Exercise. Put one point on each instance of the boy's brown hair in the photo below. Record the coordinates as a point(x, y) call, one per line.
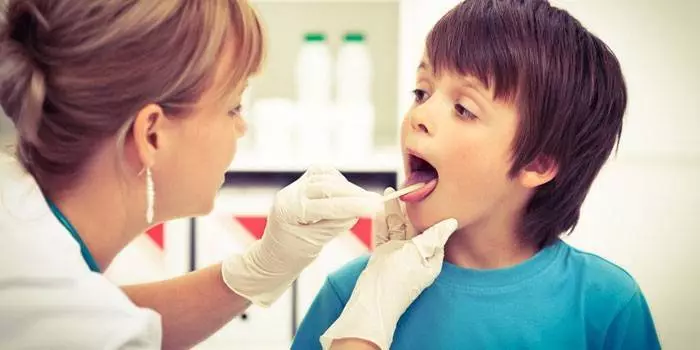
point(565, 82)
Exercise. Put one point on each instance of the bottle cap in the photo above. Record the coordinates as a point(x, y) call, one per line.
point(314, 37)
point(354, 37)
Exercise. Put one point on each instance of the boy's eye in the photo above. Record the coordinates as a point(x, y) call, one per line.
point(463, 112)
point(235, 112)
point(419, 95)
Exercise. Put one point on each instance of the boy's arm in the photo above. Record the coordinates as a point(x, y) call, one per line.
point(325, 309)
point(633, 327)
point(192, 307)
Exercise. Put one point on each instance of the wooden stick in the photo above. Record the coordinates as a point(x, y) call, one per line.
point(403, 191)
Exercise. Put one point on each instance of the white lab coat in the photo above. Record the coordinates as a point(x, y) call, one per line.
point(49, 298)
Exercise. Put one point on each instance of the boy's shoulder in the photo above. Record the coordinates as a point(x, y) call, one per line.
point(602, 281)
point(344, 279)
point(602, 271)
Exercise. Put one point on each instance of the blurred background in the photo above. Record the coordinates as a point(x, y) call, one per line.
point(358, 59)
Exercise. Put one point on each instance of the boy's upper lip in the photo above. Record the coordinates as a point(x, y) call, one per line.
point(413, 152)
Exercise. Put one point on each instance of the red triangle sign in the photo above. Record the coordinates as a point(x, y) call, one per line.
point(363, 231)
point(253, 224)
point(156, 234)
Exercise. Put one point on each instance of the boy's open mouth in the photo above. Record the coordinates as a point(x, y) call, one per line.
point(420, 171)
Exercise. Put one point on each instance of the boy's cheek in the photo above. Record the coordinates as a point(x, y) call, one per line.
point(425, 214)
point(418, 217)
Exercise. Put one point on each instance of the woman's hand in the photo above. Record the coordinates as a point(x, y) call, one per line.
point(305, 216)
point(398, 271)
point(391, 224)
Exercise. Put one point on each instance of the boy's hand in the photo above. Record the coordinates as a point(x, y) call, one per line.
point(397, 272)
point(305, 216)
point(392, 223)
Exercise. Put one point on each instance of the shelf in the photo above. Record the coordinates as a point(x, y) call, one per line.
point(377, 180)
point(381, 169)
point(287, 21)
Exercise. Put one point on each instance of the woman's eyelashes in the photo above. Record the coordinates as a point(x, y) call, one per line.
point(235, 112)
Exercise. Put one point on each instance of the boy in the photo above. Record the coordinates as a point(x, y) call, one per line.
point(517, 108)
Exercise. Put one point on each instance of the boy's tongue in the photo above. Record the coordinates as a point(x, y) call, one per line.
point(427, 177)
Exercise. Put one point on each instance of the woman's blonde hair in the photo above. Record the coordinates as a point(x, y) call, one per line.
point(73, 73)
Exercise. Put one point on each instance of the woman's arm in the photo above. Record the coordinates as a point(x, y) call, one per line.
point(196, 305)
point(192, 307)
point(306, 215)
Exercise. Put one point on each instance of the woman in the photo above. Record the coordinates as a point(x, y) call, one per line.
point(128, 113)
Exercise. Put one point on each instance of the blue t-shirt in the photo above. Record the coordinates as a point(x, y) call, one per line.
point(561, 298)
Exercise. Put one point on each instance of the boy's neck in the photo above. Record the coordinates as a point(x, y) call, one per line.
point(491, 245)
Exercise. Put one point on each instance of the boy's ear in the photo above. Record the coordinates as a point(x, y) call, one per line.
point(540, 171)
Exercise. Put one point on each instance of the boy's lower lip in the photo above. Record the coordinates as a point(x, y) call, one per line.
point(420, 194)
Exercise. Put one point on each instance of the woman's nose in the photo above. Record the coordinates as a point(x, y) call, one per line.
point(242, 127)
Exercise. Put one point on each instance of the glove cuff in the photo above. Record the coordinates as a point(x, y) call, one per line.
point(362, 320)
point(244, 275)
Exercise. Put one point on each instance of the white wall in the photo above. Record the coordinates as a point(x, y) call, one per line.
point(641, 212)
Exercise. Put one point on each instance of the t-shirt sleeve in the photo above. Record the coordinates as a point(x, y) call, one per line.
point(325, 309)
point(633, 327)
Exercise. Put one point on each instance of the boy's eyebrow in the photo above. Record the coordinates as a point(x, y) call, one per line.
point(467, 82)
point(423, 65)
point(473, 83)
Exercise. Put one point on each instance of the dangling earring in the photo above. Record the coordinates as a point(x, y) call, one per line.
point(150, 196)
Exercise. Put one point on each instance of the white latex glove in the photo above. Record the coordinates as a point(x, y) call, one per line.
point(391, 224)
point(305, 216)
point(396, 274)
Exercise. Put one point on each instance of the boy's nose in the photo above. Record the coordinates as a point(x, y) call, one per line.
point(420, 120)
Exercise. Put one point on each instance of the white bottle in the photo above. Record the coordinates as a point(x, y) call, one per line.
point(355, 109)
point(313, 82)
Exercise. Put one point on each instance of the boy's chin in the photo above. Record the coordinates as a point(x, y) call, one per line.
point(421, 219)
point(424, 215)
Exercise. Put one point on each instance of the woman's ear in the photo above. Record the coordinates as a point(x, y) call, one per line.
point(539, 172)
point(146, 128)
